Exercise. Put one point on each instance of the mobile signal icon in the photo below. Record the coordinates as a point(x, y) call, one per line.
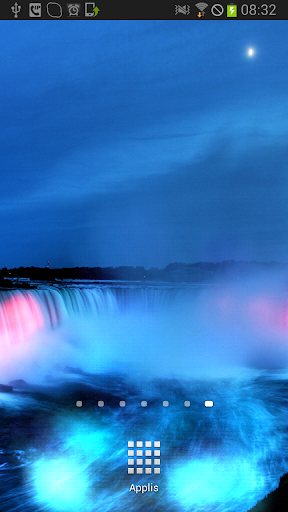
point(201, 6)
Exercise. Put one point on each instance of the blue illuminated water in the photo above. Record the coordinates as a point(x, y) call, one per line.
point(138, 343)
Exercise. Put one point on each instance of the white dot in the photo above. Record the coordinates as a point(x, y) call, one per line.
point(122, 403)
point(143, 403)
point(208, 403)
point(165, 403)
point(79, 403)
point(250, 52)
point(187, 403)
point(100, 403)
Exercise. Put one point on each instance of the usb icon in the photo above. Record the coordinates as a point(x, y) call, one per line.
point(16, 8)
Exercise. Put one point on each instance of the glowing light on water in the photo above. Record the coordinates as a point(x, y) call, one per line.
point(269, 313)
point(216, 483)
point(20, 317)
point(87, 439)
point(73, 480)
point(60, 484)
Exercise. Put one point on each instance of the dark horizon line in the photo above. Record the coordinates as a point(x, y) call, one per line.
point(178, 263)
point(200, 272)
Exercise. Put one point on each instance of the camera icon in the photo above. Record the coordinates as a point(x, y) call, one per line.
point(73, 9)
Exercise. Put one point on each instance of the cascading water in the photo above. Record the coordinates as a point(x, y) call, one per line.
point(133, 343)
point(26, 311)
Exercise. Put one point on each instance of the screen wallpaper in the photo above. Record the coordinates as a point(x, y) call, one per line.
point(144, 281)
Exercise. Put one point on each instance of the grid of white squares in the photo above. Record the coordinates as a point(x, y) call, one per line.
point(145, 456)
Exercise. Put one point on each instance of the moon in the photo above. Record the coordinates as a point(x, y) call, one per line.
point(250, 52)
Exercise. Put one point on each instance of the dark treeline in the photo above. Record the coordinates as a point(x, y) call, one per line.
point(174, 272)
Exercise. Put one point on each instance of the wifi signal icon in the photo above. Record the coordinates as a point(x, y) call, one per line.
point(201, 6)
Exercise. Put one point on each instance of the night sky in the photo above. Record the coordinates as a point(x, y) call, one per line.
point(143, 142)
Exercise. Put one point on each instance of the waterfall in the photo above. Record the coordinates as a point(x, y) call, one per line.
point(23, 312)
point(143, 342)
point(157, 329)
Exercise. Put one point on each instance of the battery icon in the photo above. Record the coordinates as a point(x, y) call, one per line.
point(231, 11)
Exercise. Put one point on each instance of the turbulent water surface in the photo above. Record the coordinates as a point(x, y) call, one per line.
point(133, 343)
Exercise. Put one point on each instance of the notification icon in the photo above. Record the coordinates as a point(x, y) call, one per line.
point(89, 9)
point(35, 10)
point(54, 10)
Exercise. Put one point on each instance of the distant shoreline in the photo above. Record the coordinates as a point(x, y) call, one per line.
point(201, 272)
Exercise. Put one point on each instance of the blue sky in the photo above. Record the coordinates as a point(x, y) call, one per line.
point(143, 142)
